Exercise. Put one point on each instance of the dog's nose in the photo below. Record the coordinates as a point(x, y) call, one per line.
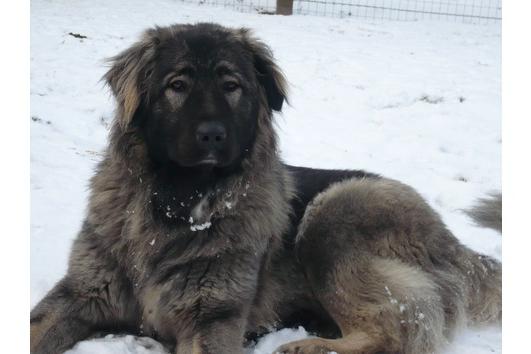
point(211, 135)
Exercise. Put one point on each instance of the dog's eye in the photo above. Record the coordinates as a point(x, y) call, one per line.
point(178, 85)
point(230, 86)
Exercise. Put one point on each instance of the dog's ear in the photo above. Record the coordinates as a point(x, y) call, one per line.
point(128, 73)
point(268, 73)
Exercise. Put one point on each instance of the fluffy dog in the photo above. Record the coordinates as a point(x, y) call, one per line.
point(198, 235)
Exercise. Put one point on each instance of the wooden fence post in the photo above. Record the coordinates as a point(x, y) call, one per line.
point(284, 7)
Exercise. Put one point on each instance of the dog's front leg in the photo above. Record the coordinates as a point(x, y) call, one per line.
point(216, 305)
point(221, 336)
point(74, 310)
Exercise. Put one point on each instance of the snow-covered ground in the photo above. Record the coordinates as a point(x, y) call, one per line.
point(415, 101)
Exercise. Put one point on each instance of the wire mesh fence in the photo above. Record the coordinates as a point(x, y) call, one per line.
point(469, 11)
point(259, 6)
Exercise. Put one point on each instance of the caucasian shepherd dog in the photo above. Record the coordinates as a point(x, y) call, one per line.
point(199, 236)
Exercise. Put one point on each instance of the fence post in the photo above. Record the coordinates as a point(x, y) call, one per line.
point(284, 7)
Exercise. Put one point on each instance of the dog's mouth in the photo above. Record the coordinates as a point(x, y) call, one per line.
point(211, 159)
point(206, 160)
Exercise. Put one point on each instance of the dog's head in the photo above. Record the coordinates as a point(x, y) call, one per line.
point(195, 93)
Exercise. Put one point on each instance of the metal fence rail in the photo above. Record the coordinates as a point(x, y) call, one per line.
point(469, 11)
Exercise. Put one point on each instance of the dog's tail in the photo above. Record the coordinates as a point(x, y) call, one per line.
point(483, 273)
point(488, 212)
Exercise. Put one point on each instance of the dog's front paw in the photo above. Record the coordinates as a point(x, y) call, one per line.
point(305, 346)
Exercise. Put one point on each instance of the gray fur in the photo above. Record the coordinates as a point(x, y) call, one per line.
point(389, 272)
point(488, 212)
point(113, 281)
point(371, 259)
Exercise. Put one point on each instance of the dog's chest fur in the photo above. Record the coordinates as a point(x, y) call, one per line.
point(175, 248)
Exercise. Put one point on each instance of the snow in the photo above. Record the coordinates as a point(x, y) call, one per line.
point(200, 227)
point(415, 101)
point(112, 344)
point(272, 341)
